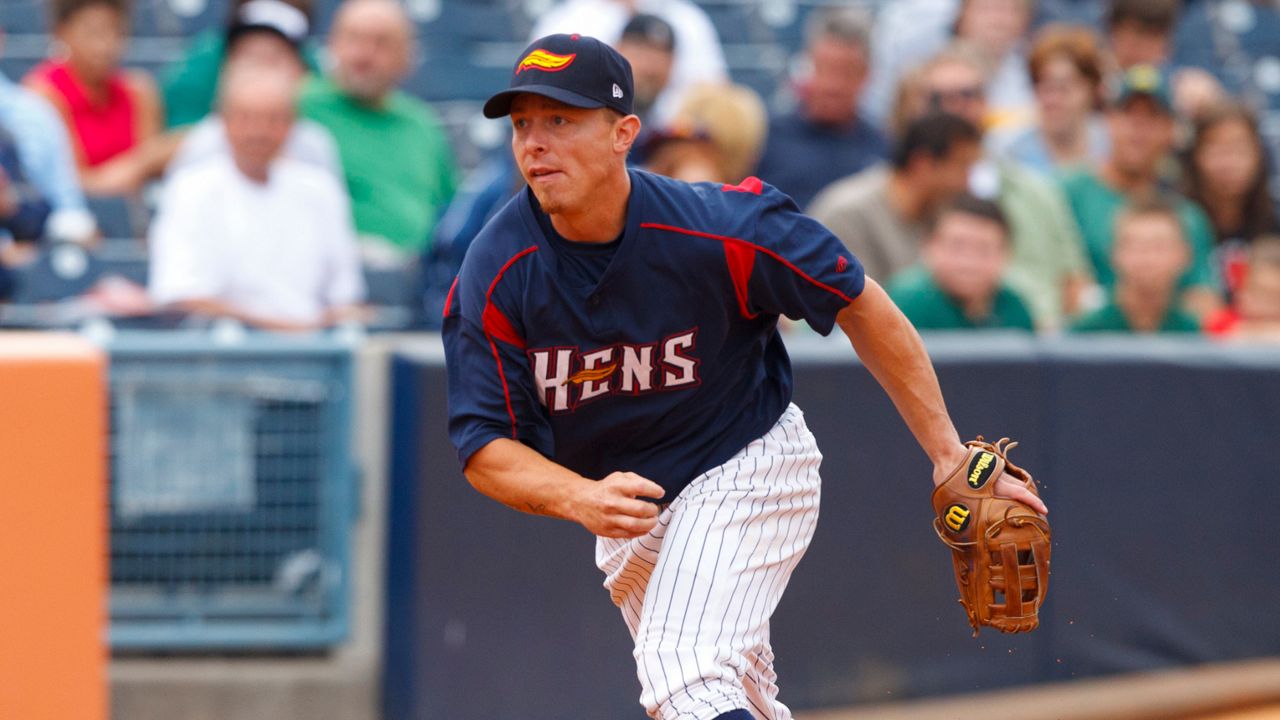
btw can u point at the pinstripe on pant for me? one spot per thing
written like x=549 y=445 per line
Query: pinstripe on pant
x=698 y=590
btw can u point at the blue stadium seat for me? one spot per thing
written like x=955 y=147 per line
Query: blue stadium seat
x=24 y=17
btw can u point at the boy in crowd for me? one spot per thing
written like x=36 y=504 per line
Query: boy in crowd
x=1149 y=255
x=958 y=285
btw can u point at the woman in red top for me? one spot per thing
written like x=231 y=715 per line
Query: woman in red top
x=109 y=112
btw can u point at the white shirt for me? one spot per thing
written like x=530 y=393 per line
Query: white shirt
x=308 y=141
x=284 y=249
x=698 y=55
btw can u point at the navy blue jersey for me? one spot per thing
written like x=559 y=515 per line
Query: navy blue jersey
x=670 y=363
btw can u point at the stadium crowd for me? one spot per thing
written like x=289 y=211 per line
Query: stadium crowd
x=1043 y=168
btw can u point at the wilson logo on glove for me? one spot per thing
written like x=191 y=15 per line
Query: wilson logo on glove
x=999 y=547
x=958 y=517
x=980 y=469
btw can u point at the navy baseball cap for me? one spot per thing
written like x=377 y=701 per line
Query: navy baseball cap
x=575 y=69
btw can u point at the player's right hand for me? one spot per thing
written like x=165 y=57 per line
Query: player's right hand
x=611 y=507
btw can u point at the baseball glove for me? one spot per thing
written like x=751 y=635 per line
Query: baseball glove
x=999 y=547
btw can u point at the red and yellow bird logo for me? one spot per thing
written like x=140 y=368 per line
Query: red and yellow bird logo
x=546 y=61
x=592 y=374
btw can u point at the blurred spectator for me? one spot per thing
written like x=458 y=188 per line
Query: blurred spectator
x=715 y=136
x=45 y=153
x=22 y=213
x=399 y=167
x=23 y=210
x=109 y=112
x=698 y=55
x=883 y=213
x=272 y=48
x=254 y=236
x=909 y=32
x=649 y=43
x=1140 y=123
x=1225 y=171
x=1150 y=254
x=823 y=139
x=1255 y=312
x=1067 y=69
x=683 y=152
x=190 y=85
x=1049 y=269
x=1140 y=33
x=959 y=283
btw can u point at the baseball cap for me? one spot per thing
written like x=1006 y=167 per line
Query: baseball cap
x=575 y=69
x=1143 y=81
x=272 y=16
x=651 y=30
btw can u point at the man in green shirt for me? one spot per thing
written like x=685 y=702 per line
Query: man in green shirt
x=1140 y=121
x=399 y=167
x=958 y=284
x=1149 y=256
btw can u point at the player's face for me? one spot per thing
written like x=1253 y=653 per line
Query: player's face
x=564 y=153
x=966 y=255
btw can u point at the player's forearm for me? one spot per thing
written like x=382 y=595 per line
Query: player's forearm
x=892 y=350
x=520 y=478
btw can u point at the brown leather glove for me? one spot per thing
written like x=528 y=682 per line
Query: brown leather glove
x=999 y=547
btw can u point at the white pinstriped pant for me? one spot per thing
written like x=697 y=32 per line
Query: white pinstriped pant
x=698 y=590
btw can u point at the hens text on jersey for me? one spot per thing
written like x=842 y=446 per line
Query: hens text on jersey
x=567 y=377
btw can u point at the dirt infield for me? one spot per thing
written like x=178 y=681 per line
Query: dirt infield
x=1228 y=691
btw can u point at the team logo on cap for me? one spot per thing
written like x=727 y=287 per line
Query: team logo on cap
x=545 y=61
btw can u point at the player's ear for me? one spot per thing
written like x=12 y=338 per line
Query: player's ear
x=625 y=131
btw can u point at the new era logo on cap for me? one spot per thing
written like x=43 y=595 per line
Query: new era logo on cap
x=574 y=69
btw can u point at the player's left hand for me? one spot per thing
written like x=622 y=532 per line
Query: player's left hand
x=1007 y=486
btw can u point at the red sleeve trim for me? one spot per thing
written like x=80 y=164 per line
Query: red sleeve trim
x=752 y=246
x=751 y=185
x=741 y=260
x=448 y=299
x=496 y=325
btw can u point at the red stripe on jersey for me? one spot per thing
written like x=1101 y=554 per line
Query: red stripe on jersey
x=739 y=241
x=506 y=393
x=496 y=325
x=448 y=299
x=741 y=259
x=752 y=185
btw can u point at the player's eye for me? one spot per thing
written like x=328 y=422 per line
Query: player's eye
x=520 y=123
x=558 y=120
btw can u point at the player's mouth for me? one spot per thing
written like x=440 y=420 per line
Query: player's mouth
x=542 y=173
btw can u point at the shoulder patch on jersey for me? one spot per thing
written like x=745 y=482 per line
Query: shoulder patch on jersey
x=842 y=263
x=751 y=185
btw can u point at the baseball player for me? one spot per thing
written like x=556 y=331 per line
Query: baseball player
x=614 y=360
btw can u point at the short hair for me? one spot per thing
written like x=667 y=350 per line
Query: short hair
x=650 y=30
x=1078 y=44
x=64 y=10
x=848 y=25
x=1152 y=15
x=937 y=134
x=1148 y=205
x=969 y=204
